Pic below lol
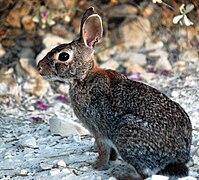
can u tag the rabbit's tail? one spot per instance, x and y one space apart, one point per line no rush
175 170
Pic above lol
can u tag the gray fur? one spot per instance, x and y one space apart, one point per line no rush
141 124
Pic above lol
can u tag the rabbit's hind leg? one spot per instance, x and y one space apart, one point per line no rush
106 152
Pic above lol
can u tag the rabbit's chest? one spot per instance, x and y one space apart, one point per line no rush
89 103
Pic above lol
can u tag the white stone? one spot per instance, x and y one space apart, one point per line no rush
65 127
157 177
147 76
163 64
175 94
66 171
61 163
2 51
110 64
197 152
189 56
46 166
9 87
28 141
23 172
187 178
135 32
51 40
54 172
154 45
38 87
63 88
160 53
71 177
112 178
134 57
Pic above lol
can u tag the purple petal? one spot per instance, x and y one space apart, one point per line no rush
61 98
153 70
44 14
166 73
37 119
42 105
135 76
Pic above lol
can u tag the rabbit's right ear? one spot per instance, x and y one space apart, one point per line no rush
91 28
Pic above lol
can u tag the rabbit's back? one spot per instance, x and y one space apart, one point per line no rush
144 124
112 95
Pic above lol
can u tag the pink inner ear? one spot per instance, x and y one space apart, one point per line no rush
90 43
92 30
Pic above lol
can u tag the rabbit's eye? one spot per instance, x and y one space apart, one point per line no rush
63 56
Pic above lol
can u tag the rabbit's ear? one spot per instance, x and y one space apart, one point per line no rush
91 28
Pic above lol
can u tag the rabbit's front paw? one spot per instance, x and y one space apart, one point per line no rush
101 165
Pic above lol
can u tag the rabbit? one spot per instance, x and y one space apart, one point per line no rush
129 119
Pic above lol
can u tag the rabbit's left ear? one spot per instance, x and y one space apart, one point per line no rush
91 30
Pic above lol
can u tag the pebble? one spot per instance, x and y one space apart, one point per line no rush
45 166
107 54
63 88
54 172
190 55
133 68
135 32
112 178
159 53
66 171
38 87
60 30
24 172
2 51
133 57
9 87
28 141
111 64
197 152
148 10
65 127
71 177
122 10
48 42
159 177
28 23
27 67
61 163
163 64
150 45
147 76
175 94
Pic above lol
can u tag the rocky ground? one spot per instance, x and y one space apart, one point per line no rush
40 137
31 150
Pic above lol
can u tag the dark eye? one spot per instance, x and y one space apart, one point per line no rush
64 56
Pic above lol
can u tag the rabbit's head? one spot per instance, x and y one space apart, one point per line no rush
74 60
